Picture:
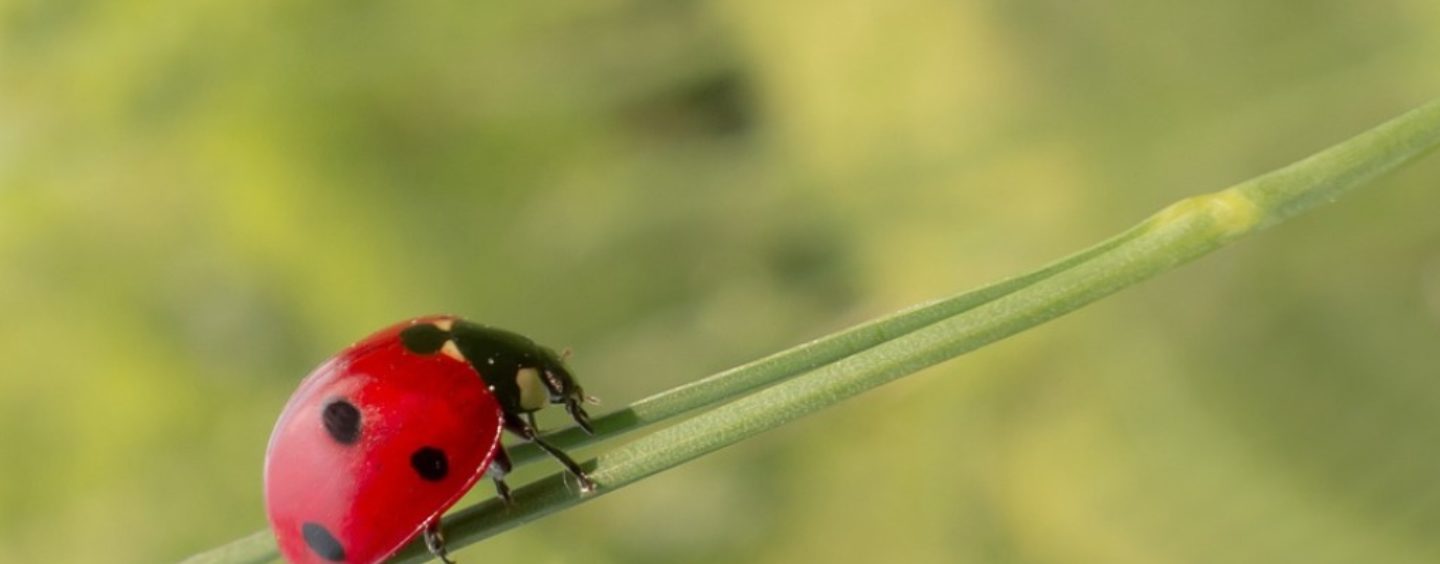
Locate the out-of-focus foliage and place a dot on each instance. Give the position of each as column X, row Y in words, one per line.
column 200, row 200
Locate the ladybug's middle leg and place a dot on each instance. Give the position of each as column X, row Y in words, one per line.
column 435, row 542
column 520, row 426
column 500, row 466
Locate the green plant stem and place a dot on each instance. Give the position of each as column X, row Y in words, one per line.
column 723, row 386
column 1174, row 236
column 715, row 389
column 847, row 363
column 720, row 387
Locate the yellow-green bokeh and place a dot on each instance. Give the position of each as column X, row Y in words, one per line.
column 200, row 200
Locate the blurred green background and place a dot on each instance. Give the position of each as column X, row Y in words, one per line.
column 200, row 200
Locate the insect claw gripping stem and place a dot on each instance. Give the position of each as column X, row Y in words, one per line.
column 499, row 468
column 502, row 491
column 586, row 484
column 435, row 541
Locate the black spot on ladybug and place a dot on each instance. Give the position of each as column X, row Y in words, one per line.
column 430, row 463
column 322, row 542
column 424, row 338
column 342, row 421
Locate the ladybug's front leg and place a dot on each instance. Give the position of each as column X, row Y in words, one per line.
column 520, row 426
column 436, row 541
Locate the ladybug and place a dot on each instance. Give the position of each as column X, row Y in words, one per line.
column 382, row 438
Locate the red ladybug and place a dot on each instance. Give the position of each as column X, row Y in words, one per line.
column 384, row 437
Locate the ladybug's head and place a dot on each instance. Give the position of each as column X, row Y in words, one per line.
column 562, row 389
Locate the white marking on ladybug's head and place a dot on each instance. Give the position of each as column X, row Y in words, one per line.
column 533, row 394
column 554, row 381
column 490, row 360
column 445, row 324
column 449, row 349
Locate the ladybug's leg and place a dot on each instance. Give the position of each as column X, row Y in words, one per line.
column 436, row 541
column 499, row 467
column 526, row 431
column 572, row 405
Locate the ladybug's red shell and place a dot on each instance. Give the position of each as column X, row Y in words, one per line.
column 376, row 442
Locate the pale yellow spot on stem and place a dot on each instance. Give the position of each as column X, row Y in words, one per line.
column 1230, row 212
